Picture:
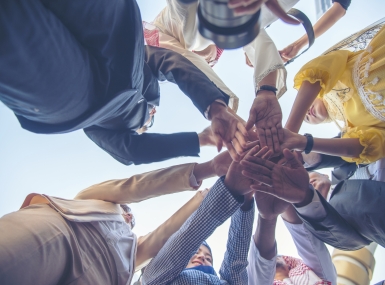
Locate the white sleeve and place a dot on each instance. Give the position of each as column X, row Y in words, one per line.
column 313, row 252
column 313, row 210
column 264, row 56
column 260, row 270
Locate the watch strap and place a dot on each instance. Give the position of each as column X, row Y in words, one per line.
column 267, row 88
column 309, row 143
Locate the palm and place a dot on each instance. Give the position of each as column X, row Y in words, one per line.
column 266, row 115
column 290, row 184
column 236, row 181
column 269, row 206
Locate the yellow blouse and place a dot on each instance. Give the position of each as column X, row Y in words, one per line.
column 364, row 73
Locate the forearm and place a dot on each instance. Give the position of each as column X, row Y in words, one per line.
column 264, row 237
column 305, row 97
column 290, row 216
column 270, row 79
column 177, row 251
column 234, row 264
column 142, row 186
column 149, row 245
column 203, row 171
column 345, row 147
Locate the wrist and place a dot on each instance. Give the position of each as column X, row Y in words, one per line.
column 216, row 108
column 302, row 142
column 307, row 199
column 268, row 219
column 266, row 90
column 247, row 204
column 300, row 43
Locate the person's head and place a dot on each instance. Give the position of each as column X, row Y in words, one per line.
column 317, row 113
column 150, row 122
column 202, row 256
column 321, row 182
column 127, row 215
column 281, row 268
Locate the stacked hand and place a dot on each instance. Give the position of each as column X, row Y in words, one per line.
column 241, row 184
column 227, row 130
column 266, row 115
column 289, row 182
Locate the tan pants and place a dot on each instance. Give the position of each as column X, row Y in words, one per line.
column 38, row 246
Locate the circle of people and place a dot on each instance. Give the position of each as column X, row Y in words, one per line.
column 93, row 57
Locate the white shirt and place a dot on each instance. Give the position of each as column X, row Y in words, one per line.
column 312, row 251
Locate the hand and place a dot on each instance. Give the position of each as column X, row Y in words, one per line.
column 289, row 182
column 227, row 130
column 206, row 137
column 293, row 141
column 248, row 7
column 266, row 114
column 269, row 206
column 290, row 51
column 237, row 183
column 221, row 163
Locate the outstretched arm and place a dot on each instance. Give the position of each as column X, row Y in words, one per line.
column 332, row 16
column 158, row 182
column 312, row 251
column 150, row 244
column 233, row 268
column 208, row 98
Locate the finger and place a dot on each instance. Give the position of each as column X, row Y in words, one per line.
column 241, row 139
column 267, row 155
column 253, row 151
column 251, row 121
column 281, row 135
column 262, row 136
column 255, row 168
column 249, row 146
column 218, row 141
column 278, row 11
column 276, row 143
column 260, row 161
column 238, row 148
column 291, row 159
column 262, row 152
column 241, row 128
column 257, row 177
column 269, row 139
column 233, row 153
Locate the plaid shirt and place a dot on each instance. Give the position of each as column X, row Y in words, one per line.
column 167, row 267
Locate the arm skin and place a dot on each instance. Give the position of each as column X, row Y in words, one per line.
column 172, row 259
column 264, row 237
column 148, row 185
column 345, row 147
column 150, row 244
column 331, row 16
column 305, row 97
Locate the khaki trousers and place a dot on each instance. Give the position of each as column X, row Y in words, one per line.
column 38, row 246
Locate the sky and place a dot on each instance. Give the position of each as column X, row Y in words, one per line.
column 62, row 165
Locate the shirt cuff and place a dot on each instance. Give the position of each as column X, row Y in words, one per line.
column 313, row 210
column 208, row 108
column 193, row 181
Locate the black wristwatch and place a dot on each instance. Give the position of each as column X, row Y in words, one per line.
column 267, row 88
column 309, row 143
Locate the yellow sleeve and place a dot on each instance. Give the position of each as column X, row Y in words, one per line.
column 326, row 69
column 373, row 141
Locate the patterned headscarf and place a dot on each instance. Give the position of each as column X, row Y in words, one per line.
column 300, row 274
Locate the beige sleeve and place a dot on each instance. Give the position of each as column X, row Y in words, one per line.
column 142, row 186
column 150, row 244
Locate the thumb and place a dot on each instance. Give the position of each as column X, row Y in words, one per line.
column 218, row 142
column 291, row 159
column 251, row 120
